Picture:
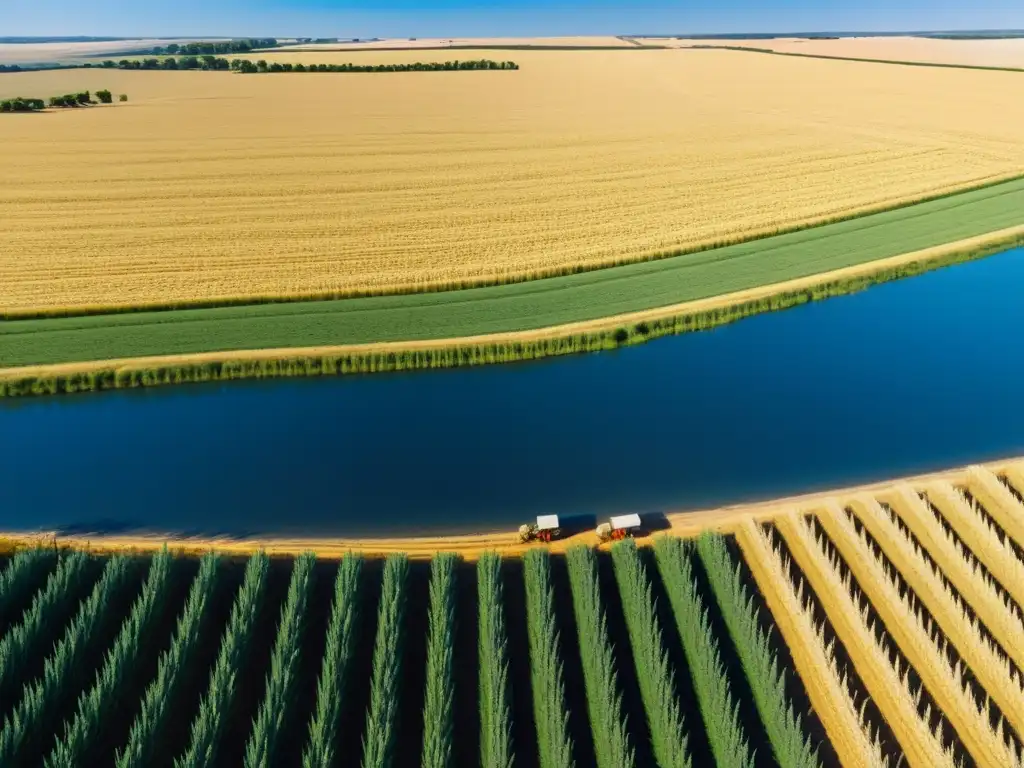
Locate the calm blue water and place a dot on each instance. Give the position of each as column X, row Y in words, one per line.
column 911, row 376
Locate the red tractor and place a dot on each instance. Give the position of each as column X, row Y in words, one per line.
column 546, row 529
column 618, row 528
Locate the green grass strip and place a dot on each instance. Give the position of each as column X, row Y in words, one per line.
column 41, row 696
column 546, row 679
column 21, row 575
column 381, row 720
column 718, row 706
column 533, row 304
column 654, row 673
column 604, row 698
column 95, row 705
column 790, row 744
column 438, row 715
column 213, row 710
column 336, row 665
column 495, row 714
column 171, row 669
column 284, row 667
column 23, row 639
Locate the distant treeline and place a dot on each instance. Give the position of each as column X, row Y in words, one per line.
column 10, row 68
column 209, row 63
column 245, row 45
column 81, row 99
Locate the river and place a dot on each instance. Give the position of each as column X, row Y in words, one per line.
column 912, row 376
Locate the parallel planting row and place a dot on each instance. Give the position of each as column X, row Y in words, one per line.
column 882, row 632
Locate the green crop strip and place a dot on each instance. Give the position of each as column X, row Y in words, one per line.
column 718, row 706
column 506, row 308
column 785, row 731
column 23, row 638
column 379, row 738
column 335, row 667
column 604, row 699
column 209, row 722
column 438, row 715
column 171, row 669
column 40, row 697
column 20, row 577
column 654, row 673
column 495, row 716
column 549, row 707
column 94, row 705
column 284, row 667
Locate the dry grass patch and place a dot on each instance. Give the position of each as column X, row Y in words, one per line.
column 209, row 185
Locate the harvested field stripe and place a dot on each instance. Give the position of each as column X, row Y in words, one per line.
column 791, row 746
column 547, row 681
column 981, row 536
column 172, row 667
column 439, row 696
column 718, row 706
column 379, row 737
column 604, row 696
column 889, row 687
column 923, row 647
column 981, row 655
column 998, row 502
column 814, row 661
column 1015, row 475
column 335, row 668
column 975, row 587
column 653, row 670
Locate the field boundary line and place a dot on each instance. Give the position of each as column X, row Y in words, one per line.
column 598, row 333
column 795, row 54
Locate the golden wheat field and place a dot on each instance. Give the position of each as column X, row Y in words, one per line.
column 1007, row 52
column 208, row 184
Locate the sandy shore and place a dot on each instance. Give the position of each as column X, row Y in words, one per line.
column 685, row 524
column 551, row 332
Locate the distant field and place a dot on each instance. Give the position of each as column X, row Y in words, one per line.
column 433, row 42
column 977, row 53
column 520, row 306
column 212, row 185
column 34, row 53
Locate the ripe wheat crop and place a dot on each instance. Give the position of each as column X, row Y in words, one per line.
column 998, row 502
column 982, row 537
column 921, row 639
column 888, row 684
column 813, row 657
column 211, row 185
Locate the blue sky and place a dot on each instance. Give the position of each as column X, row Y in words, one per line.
column 438, row 18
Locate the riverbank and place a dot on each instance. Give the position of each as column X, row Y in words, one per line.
column 685, row 524
column 591, row 335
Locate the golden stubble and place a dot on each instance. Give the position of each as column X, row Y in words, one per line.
column 208, row 185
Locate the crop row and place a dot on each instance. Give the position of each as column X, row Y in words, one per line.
column 882, row 632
